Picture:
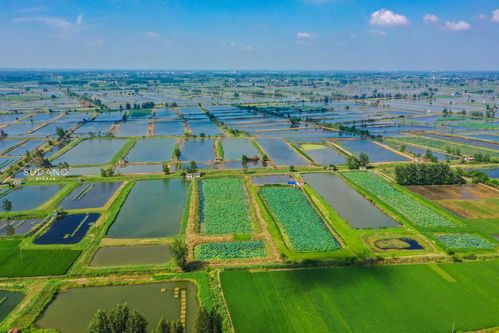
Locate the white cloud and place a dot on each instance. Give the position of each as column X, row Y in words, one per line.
column 151, row 34
column 385, row 17
column 495, row 15
column 430, row 18
column 374, row 32
column 305, row 35
column 79, row 19
column 247, row 48
column 457, row 26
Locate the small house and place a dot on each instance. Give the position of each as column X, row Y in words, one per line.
column 193, row 175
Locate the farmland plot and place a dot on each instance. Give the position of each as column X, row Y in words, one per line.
column 230, row 250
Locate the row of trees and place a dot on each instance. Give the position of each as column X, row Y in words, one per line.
column 123, row 320
column 428, row 174
column 355, row 163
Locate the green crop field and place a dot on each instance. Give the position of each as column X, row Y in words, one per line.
column 224, row 208
column 303, row 227
column 409, row 298
column 409, row 207
column 230, row 250
column 465, row 241
column 17, row 262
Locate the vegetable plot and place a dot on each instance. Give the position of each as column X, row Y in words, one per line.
column 230, row 250
column 223, row 207
column 304, row 228
column 410, row 208
column 465, row 241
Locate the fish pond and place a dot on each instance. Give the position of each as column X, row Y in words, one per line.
column 348, row 203
column 153, row 208
column 322, row 154
column 8, row 301
column 90, row 195
column 69, row 229
column 280, row 152
column 72, row 310
column 197, row 150
column 18, row 227
column 375, row 152
column 92, row 151
column 235, row 148
column 152, row 150
column 403, row 243
column 131, row 255
column 30, row 197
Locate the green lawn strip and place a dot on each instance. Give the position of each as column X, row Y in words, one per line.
column 487, row 226
column 220, row 149
column 364, row 299
column 185, row 215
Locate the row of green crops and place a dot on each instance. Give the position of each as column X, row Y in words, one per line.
column 304, row 228
column 443, row 145
column 223, row 206
column 409, row 207
column 230, row 250
column 464, row 241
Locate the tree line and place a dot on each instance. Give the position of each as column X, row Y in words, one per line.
column 428, row 174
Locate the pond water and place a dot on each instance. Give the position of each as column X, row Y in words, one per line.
column 72, row 310
column 235, row 148
column 90, row 195
column 206, row 127
column 169, row 128
column 325, row 156
column 489, row 137
column 492, row 173
column 30, row 197
column 165, row 113
column 95, row 127
column 234, row 165
column 131, row 255
column 132, row 128
column 348, row 203
column 153, row 208
column 69, row 229
column 197, row 150
column 398, row 244
column 5, row 162
column 152, row 150
column 5, row 144
column 8, row 302
column 280, row 152
column 27, row 146
column 139, row 169
column 375, row 152
column 92, row 151
column 18, row 227
column 271, row 180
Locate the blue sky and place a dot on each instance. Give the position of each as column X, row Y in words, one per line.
column 250, row 34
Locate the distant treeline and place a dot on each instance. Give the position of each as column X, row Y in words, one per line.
column 428, row 174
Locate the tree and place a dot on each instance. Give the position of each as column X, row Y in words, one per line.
column 60, row 132
column 166, row 169
column 165, row 326
column 6, row 205
column 245, row 159
column 118, row 320
column 353, row 162
column 208, row 321
column 292, row 168
column 178, row 249
column 193, row 167
column 176, row 153
column 363, row 160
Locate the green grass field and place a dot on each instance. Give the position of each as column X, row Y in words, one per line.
column 409, row 298
column 16, row 262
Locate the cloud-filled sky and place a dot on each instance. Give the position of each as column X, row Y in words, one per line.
column 250, row 34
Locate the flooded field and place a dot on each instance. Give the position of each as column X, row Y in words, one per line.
column 197, row 150
column 375, row 152
column 92, row 151
column 280, row 152
column 131, row 255
column 72, row 310
column 322, row 154
column 30, row 197
column 90, row 195
column 69, row 229
column 18, row 226
column 348, row 203
column 151, row 150
column 153, row 208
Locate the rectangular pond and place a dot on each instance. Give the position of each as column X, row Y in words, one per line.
column 153, row 208
column 152, row 150
column 8, row 302
column 91, row 151
column 235, row 148
column 30, row 197
column 90, row 195
column 280, row 152
column 197, row 150
column 72, row 310
column 69, row 229
column 131, row 255
column 169, row 128
column 27, row 146
column 18, row 226
column 132, row 128
column 271, row 180
column 375, row 152
column 348, row 203
column 322, row 154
